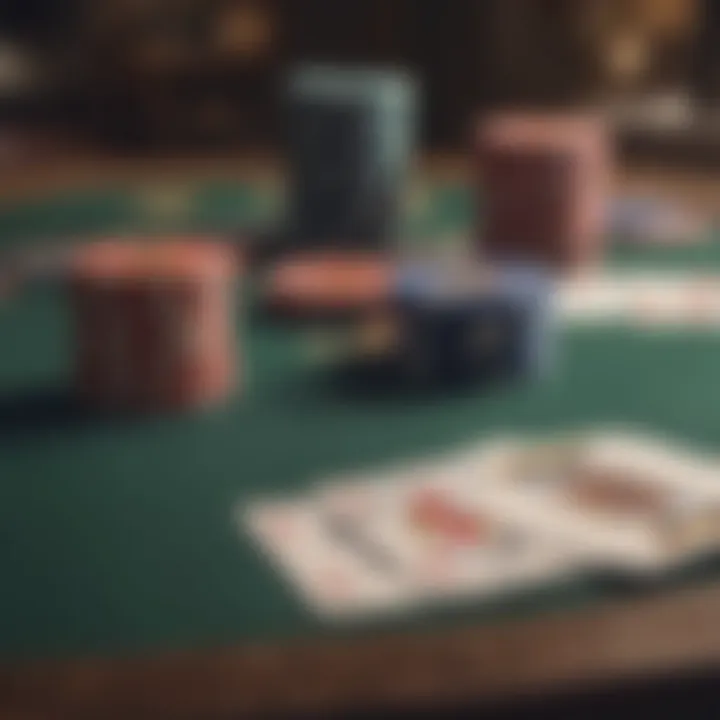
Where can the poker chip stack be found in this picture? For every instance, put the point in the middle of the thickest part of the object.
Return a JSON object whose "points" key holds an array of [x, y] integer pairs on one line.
{"points": [[545, 180], [474, 323], [154, 325], [350, 141]]}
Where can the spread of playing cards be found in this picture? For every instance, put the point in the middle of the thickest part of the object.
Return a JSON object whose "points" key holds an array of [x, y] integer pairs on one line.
{"points": [[491, 518]]}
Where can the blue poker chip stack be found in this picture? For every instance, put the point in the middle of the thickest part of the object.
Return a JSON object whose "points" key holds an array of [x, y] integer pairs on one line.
{"points": [[351, 136], [474, 323]]}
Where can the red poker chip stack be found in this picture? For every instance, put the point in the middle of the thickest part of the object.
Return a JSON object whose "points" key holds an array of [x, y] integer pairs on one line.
{"points": [[545, 183], [154, 324]]}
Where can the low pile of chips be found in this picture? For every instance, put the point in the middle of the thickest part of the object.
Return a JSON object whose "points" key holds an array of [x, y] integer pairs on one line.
{"points": [[317, 283]]}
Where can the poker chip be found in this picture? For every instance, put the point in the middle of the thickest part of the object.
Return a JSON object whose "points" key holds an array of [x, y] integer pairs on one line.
{"points": [[329, 283], [473, 323], [153, 323]]}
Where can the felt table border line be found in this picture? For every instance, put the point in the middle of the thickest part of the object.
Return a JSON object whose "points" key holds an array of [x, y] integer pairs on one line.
{"points": [[641, 639]]}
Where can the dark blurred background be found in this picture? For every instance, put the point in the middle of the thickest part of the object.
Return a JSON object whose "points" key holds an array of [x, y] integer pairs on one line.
{"points": [[201, 74]]}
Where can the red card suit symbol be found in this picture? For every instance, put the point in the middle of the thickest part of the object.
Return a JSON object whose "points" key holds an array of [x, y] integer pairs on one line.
{"points": [[436, 516]]}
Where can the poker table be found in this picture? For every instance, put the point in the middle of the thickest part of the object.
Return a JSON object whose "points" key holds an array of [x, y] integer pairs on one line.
{"points": [[126, 586]]}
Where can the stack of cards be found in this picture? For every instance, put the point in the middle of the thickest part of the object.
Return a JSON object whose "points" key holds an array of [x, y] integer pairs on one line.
{"points": [[401, 538], [627, 502], [492, 518]]}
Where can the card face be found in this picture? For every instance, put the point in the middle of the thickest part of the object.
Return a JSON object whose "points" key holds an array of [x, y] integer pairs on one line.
{"points": [[440, 539], [653, 302], [593, 299], [492, 517], [678, 302], [629, 501], [699, 299], [330, 579], [648, 300]]}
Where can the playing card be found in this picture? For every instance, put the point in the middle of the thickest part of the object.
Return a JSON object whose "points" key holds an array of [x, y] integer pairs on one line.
{"points": [[439, 534], [673, 301], [671, 462], [594, 298], [700, 301], [630, 503], [649, 300], [331, 579], [653, 301]]}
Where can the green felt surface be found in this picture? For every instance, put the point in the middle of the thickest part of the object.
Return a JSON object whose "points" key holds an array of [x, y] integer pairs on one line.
{"points": [[118, 537]]}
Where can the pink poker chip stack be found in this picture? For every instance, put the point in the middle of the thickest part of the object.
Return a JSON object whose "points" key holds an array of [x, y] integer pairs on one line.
{"points": [[545, 180], [153, 324]]}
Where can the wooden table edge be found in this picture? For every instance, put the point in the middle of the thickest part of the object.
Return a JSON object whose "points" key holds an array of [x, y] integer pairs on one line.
{"points": [[643, 638]]}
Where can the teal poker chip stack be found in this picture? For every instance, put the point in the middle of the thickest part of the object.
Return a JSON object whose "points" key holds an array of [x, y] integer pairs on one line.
{"points": [[351, 133]]}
